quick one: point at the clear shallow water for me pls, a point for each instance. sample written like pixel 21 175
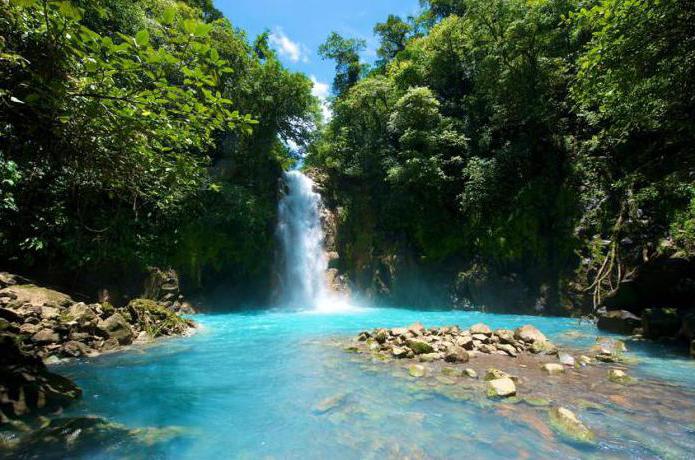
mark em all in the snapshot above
pixel 250 385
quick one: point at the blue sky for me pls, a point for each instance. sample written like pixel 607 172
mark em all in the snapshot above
pixel 298 27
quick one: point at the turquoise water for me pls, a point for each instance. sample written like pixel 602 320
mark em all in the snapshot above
pixel 250 385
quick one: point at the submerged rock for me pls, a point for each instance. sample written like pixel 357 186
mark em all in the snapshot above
pixel 567 423
pixel 619 376
pixel 330 403
pixel 502 387
pixel 416 370
pixel 553 368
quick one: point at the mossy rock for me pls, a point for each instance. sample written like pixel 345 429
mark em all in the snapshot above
pixel 567 424
pixel 156 319
pixel 419 347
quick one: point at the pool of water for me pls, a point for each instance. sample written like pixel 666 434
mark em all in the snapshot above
pixel 270 385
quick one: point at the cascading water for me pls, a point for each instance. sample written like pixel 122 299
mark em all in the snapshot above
pixel 304 262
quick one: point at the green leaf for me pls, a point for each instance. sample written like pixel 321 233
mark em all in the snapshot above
pixel 142 38
pixel 168 15
pixel 214 54
pixel 24 3
pixel 202 29
pixel 69 10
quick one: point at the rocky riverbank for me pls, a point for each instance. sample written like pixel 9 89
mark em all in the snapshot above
pixel 521 369
pixel 40 326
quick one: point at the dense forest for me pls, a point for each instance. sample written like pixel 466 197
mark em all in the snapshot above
pixel 527 155
pixel 137 133
pixel 531 155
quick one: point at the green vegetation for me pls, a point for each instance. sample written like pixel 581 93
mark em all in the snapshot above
pixel 136 133
pixel 541 146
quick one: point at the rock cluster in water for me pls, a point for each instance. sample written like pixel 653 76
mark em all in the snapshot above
pixel 54 326
pixel 453 344
pixel 41 326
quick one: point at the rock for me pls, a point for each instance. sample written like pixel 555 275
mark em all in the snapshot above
pixel 110 345
pixel 452 372
pixel 565 422
pixel 330 403
pixel 82 314
pixel 584 360
pixel 619 376
pixel 471 373
pixel 381 336
pixel 508 349
pixel 529 334
pixel 429 357
pixel 116 327
pixel 29 329
pixel 488 349
pixel 553 368
pixel 505 335
pixel 660 322
pixel 10 315
pixel 543 347
pixel 480 328
pixel 465 342
pixel 692 348
pixel 76 349
pixel 619 322
pixel 480 338
pixel 566 359
pixel 399 331
pixel 456 355
pixel 399 352
pixel 419 347
pixel 416 370
pixel 46 336
pixel 416 328
pixel 501 388
pixel 493 374
pixel 49 312
pixel 26 385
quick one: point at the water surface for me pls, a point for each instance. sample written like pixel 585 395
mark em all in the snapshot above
pixel 270 385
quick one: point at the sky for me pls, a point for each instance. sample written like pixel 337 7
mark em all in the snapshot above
pixel 298 27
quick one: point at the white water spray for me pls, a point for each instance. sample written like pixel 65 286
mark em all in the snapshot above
pixel 304 262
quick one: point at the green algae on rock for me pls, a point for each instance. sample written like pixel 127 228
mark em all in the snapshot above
pixel 566 423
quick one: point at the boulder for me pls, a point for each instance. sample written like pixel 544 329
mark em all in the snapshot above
pixel 508 349
pixel 82 314
pixel 46 336
pixel 29 329
pixel 530 334
pixel 501 388
pixel 687 330
pixel 471 373
pixel 660 322
pixel 465 342
pixel 692 348
pixel 565 422
pixel 10 315
pixel 419 347
pixel 48 313
pixel 543 347
pixel 505 335
pixel 110 345
pixel 76 349
pixel 619 322
pixel 553 368
pixel 480 328
pixel 456 355
pixel 116 327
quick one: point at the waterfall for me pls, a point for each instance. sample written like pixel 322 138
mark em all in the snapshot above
pixel 303 259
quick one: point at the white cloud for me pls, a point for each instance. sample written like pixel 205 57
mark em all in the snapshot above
pixel 284 45
pixel 320 90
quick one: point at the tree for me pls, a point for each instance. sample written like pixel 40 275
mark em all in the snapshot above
pixel 346 54
pixel 394 35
